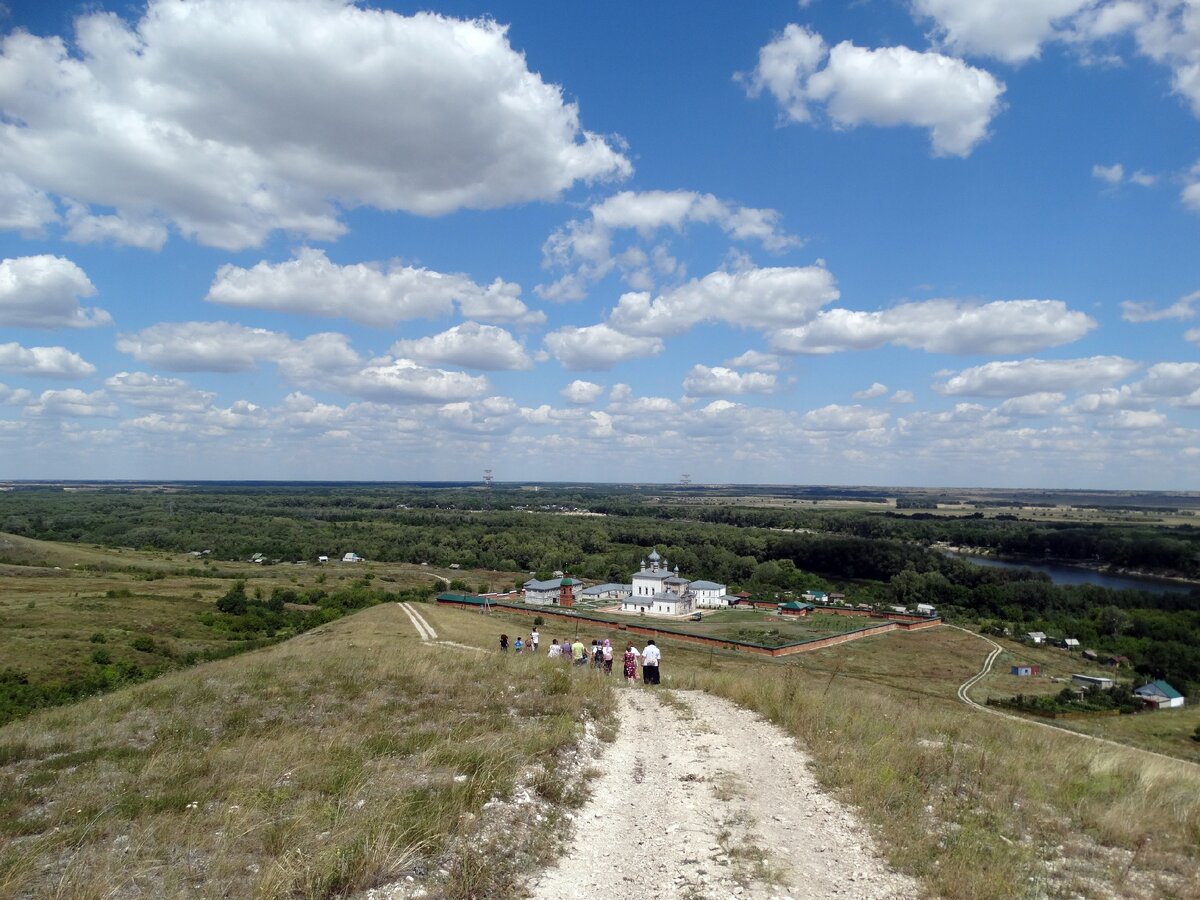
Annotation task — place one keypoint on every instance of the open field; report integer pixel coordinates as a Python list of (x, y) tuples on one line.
[(77, 619)]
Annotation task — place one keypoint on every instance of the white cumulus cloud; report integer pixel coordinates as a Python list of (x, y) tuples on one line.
[(751, 298), (470, 345), (887, 86), (598, 347), (835, 417), (370, 293), (941, 326), (1015, 378), (157, 392), (230, 120), (582, 393), (44, 292), (48, 362), (203, 346), (718, 381), (878, 389), (587, 249), (72, 403), (1011, 30)]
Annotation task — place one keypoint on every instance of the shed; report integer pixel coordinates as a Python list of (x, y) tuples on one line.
[(1096, 681), (1160, 695), (1036, 637), (792, 608), (1070, 643), (1024, 671), (926, 609), (1090, 654)]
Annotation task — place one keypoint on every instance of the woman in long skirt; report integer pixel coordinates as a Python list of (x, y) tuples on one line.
[(631, 660)]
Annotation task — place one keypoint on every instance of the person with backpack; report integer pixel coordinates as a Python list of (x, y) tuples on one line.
[(607, 652), (518, 644), (504, 643), (597, 656)]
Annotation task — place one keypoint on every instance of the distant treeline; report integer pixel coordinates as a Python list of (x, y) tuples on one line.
[(874, 556)]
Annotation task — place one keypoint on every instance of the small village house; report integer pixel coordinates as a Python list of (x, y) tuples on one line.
[(926, 609), (1036, 637), (610, 591), (351, 557), (792, 608), (1160, 695), (1024, 671), (1070, 644)]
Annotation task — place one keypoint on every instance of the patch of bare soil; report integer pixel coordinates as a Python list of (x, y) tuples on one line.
[(699, 798)]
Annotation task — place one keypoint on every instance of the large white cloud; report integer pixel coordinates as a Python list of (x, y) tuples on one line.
[(203, 346), (370, 293), (470, 345), (23, 208), (49, 362), (752, 298), (1011, 30), (44, 292), (598, 347), (941, 326), (1015, 378), (888, 86), (718, 381), (229, 120)]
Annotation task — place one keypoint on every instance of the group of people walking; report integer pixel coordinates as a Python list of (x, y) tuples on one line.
[(598, 656)]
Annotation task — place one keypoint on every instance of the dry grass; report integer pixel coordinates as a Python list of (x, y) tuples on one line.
[(973, 805), (330, 764)]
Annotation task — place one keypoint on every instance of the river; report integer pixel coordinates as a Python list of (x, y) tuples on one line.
[(1063, 574)]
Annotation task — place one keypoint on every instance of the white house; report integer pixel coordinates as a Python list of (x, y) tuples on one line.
[(659, 590), (1160, 694), (550, 592), (926, 609), (1036, 637), (352, 558)]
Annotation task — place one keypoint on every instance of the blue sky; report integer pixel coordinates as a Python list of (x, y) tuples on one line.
[(946, 242)]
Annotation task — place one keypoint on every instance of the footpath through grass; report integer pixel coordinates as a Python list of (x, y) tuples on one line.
[(976, 806), (338, 761)]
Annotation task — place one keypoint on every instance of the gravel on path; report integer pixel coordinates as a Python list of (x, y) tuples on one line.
[(699, 798)]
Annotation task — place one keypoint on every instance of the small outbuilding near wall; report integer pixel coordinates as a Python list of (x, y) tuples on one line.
[(1024, 671)]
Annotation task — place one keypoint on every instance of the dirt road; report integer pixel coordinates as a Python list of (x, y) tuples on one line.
[(701, 799)]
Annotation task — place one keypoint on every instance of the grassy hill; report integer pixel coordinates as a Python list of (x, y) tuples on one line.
[(337, 761), (353, 754)]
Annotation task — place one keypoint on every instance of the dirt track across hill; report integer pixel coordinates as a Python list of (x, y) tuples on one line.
[(699, 798)]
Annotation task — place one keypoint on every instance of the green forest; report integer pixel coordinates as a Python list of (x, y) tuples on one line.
[(873, 555)]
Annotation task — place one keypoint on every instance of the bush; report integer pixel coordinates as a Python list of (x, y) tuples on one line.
[(144, 644), (101, 657), (98, 638)]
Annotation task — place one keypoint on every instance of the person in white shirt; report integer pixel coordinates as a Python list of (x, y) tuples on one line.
[(554, 649), (534, 638), (650, 660)]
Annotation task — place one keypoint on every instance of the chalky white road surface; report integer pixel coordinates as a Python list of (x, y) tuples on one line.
[(712, 802)]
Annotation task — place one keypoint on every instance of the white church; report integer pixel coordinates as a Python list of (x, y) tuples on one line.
[(659, 590)]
